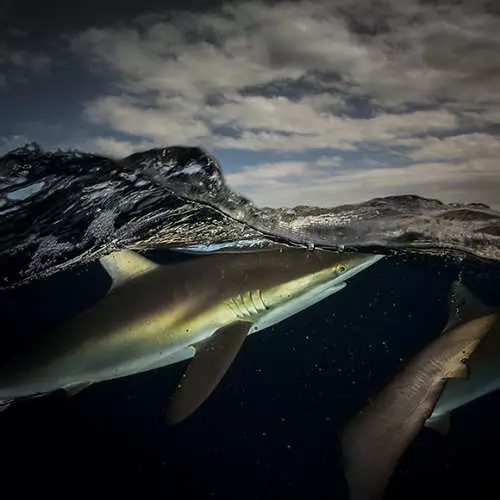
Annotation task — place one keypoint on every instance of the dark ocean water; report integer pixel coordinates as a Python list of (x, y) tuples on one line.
[(270, 430)]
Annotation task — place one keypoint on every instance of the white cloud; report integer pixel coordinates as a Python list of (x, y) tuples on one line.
[(449, 182), (168, 70), (170, 125), (328, 161), (117, 149), (414, 58), (281, 123), (268, 172), (283, 171), (464, 146), (258, 141), (315, 126), (292, 76)]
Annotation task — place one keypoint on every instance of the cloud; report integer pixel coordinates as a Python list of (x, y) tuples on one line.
[(28, 60), (413, 79), (117, 149), (168, 74), (449, 182), (482, 117), (306, 128), (17, 63), (283, 171), (464, 146), (175, 123)]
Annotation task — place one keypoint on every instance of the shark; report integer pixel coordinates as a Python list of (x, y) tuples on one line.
[(374, 440), (157, 315), (483, 365)]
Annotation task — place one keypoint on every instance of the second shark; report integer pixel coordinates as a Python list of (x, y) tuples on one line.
[(376, 438)]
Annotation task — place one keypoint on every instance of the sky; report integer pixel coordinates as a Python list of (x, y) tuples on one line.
[(320, 102)]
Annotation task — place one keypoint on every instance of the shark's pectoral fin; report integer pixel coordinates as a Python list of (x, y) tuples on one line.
[(461, 370), (211, 361), (440, 424), (124, 265)]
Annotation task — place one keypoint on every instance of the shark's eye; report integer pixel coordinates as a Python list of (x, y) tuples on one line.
[(342, 268)]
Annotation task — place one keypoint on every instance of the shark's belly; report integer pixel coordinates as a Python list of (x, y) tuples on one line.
[(48, 382), (118, 352)]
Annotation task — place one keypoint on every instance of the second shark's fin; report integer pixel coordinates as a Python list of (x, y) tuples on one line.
[(462, 371), (376, 438), (463, 306), (125, 265), (211, 361), (441, 424)]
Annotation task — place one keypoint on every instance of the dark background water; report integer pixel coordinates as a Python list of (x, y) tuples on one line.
[(270, 429)]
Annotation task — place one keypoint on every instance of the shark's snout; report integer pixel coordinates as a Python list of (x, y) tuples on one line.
[(364, 264)]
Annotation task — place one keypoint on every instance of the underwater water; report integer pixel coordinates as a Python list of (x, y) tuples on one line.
[(270, 430)]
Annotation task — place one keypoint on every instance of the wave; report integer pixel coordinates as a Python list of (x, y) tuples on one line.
[(65, 208)]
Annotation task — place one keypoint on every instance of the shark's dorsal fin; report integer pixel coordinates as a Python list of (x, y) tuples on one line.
[(463, 306), (211, 361), (125, 265)]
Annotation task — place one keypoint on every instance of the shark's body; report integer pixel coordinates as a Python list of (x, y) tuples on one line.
[(484, 378), (377, 437), (155, 316)]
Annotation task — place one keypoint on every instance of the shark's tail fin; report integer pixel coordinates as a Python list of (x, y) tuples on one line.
[(463, 306)]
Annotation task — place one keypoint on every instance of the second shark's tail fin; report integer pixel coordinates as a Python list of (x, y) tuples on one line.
[(463, 306)]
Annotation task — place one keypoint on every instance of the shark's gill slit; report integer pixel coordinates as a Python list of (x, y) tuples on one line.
[(252, 310), (233, 306), (236, 307), (247, 313), (266, 307), (251, 294)]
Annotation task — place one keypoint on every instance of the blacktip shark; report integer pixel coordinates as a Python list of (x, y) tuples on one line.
[(375, 439), (484, 367), (154, 316)]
